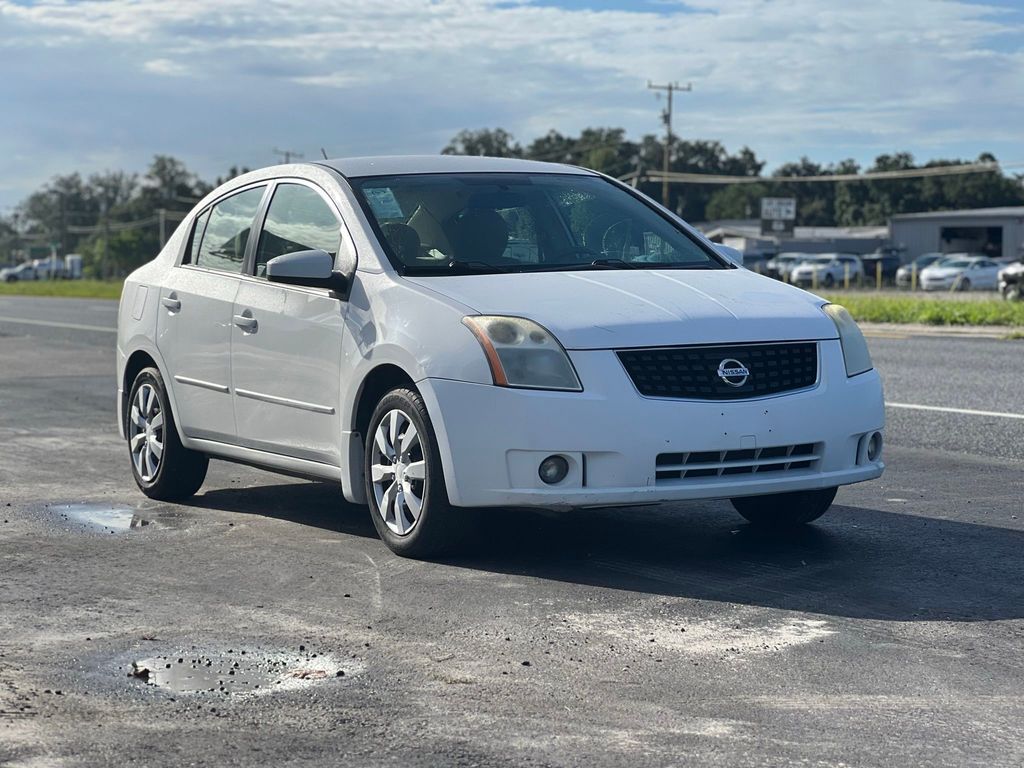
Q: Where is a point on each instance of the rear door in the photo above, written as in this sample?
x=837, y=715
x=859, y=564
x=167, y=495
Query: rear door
x=194, y=321
x=286, y=339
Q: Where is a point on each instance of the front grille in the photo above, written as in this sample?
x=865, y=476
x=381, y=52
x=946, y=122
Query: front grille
x=750, y=461
x=692, y=372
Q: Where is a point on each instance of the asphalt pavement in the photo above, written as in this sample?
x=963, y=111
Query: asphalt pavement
x=889, y=633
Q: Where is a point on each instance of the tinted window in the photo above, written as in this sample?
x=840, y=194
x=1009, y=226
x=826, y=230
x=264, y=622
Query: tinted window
x=227, y=231
x=458, y=223
x=298, y=219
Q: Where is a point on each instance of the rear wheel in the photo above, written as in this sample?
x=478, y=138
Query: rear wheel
x=785, y=510
x=404, y=481
x=163, y=468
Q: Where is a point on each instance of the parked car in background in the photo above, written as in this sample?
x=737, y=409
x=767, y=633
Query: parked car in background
x=1011, y=281
x=369, y=322
x=905, y=274
x=828, y=269
x=961, y=272
x=887, y=258
x=780, y=266
x=21, y=272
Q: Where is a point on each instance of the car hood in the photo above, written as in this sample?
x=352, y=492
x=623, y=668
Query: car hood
x=644, y=308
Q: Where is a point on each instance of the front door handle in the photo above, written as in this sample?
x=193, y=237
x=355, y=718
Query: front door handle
x=247, y=323
x=171, y=303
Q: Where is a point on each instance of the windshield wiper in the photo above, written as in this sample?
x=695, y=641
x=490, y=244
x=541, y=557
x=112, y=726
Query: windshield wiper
x=475, y=266
x=614, y=263
x=454, y=267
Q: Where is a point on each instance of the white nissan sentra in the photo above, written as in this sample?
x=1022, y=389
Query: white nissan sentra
x=442, y=335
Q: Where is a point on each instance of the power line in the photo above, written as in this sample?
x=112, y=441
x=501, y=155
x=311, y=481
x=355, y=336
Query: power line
x=666, y=117
x=907, y=173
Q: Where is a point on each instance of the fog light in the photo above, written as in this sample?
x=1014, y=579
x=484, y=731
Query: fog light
x=875, y=446
x=553, y=469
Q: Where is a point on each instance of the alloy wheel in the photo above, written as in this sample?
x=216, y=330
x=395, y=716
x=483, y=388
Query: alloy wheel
x=146, y=432
x=398, y=472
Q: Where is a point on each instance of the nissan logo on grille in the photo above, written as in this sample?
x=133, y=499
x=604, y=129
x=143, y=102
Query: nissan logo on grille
x=733, y=372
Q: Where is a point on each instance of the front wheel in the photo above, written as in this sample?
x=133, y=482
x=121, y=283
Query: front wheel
x=1013, y=292
x=164, y=469
x=404, y=480
x=785, y=510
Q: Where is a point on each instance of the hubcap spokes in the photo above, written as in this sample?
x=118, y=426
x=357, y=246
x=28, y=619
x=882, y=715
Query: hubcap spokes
x=146, y=432
x=398, y=472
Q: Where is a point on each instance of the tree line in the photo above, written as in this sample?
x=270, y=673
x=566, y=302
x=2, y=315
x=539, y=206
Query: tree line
x=118, y=220
x=842, y=203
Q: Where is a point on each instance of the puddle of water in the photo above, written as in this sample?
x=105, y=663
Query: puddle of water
x=236, y=673
x=112, y=518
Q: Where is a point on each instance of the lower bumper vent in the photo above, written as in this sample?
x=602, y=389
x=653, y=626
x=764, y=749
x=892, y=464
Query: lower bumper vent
x=751, y=461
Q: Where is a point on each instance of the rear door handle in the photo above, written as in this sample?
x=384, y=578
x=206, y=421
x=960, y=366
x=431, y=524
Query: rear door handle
x=171, y=303
x=246, y=323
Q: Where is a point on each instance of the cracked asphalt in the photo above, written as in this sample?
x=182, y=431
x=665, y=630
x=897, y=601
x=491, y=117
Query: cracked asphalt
x=891, y=633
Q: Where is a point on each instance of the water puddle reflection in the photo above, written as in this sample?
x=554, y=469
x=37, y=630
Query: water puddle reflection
x=235, y=672
x=113, y=518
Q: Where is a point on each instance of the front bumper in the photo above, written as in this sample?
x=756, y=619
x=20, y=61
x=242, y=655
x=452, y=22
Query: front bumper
x=492, y=439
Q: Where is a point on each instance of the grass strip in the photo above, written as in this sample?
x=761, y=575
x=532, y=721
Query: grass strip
x=908, y=309
x=76, y=289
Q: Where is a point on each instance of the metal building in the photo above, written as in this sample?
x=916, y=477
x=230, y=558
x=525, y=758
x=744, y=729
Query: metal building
x=994, y=232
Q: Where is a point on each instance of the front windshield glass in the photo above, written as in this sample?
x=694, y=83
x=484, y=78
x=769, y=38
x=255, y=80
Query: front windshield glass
x=483, y=222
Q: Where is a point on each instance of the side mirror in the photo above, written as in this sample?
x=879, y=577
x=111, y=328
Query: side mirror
x=313, y=269
x=730, y=254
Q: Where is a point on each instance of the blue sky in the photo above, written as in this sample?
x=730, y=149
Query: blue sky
x=105, y=84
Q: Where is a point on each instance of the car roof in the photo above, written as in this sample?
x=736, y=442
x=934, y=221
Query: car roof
x=356, y=167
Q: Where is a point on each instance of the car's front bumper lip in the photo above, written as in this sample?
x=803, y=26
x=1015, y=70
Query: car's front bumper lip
x=492, y=438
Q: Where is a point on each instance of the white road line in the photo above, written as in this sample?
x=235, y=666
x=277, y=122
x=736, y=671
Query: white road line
x=55, y=324
x=965, y=411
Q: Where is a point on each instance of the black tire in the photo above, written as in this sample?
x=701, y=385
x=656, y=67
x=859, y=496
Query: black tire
x=180, y=472
x=1013, y=293
x=828, y=281
x=785, y=510
x=438, y=528
x=963, y=284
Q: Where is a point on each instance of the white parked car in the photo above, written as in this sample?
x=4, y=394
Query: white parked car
x=24, y=271
x=826, y=270
x=961, y=272
x=444, y=334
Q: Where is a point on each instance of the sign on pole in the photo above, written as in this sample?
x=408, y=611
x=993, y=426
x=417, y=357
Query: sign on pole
x=778, y=214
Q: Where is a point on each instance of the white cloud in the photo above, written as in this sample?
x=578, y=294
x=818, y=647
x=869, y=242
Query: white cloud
x=165, y=67
x=784, y=76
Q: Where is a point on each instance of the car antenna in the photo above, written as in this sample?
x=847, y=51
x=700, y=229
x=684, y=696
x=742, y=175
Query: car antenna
x=323, y=152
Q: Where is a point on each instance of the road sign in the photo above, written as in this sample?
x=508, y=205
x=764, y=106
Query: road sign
x=778, y=215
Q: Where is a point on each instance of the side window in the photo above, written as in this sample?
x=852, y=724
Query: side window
x=227, y=231
x=298, y=219
x=197, y=236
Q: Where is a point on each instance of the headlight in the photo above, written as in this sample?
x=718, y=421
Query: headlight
x=855, y=348
x=522, y=353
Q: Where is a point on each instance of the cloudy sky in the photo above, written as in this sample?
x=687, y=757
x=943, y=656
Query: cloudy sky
x=105, y=84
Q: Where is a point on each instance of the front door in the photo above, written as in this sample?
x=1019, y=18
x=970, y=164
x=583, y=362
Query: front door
x=194, y=320
x=286, y=340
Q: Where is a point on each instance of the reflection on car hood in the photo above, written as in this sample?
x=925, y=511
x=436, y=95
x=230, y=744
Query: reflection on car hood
x=939, y=272
x=604, y=309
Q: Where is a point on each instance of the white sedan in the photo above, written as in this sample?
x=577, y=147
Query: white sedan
x=961, y=272
x=826, y=270
x=445, y=334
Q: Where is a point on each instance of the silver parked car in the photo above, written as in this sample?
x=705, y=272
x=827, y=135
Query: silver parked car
x=828, y=269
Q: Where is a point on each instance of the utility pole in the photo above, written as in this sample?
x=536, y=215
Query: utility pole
x=666, y=117
x=287, y=154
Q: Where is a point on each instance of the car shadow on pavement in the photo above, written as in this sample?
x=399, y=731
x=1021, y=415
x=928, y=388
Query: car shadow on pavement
x=855, y=562
x=318, y=505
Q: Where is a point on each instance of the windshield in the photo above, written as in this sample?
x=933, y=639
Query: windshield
x=818, y=259
x=482, y=222
x=958, y=263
